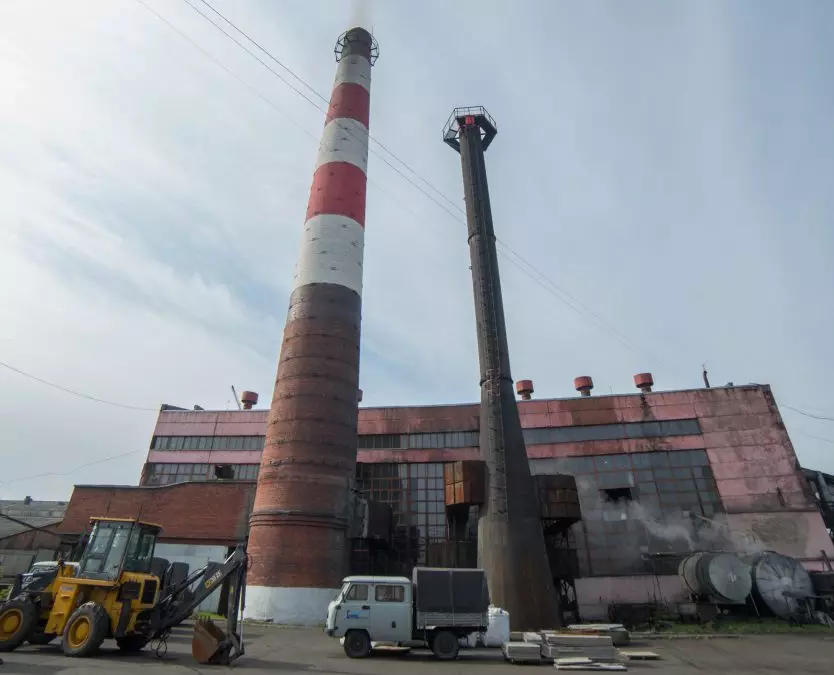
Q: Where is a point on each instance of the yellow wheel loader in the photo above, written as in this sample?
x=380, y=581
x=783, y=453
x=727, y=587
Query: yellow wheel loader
x=111, y=593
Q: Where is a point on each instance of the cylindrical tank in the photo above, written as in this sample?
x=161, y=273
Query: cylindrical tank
x=778, y=582
x=723, y=576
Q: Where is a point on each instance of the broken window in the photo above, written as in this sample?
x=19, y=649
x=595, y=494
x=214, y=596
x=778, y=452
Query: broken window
x=614, y=495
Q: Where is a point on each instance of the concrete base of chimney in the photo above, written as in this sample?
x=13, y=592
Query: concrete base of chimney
x=288, y=606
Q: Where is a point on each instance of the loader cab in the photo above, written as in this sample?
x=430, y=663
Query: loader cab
x=117, y=546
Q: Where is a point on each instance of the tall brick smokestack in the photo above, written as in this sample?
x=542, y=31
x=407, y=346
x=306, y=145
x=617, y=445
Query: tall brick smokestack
x=298, y=539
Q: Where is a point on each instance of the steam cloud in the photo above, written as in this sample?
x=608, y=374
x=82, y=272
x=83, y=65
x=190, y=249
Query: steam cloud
x=362, y=13
x=668, y=532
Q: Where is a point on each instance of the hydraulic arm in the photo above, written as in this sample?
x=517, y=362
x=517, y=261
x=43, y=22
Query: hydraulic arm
x=210, y=644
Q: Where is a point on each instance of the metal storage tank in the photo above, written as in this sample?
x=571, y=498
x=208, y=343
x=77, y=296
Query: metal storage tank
x=723, y=576
x=779, y=581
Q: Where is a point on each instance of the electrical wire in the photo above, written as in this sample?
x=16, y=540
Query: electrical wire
x=73, y=391
x=362, y=140
x=29, y=526
x=519, y=261
x=71, y=471
x=273, y=58
x=228, y=70
x=817, y=438
x=515, y=258
x=805, y=413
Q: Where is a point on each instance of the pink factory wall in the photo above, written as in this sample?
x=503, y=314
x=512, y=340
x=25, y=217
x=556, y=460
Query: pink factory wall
x=751, y=455
x=594, y=594
x=211, y=423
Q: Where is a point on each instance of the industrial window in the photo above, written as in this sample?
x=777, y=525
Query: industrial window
x=442, y=439
x=605, y=432
x=358, y=592
x=389, y=593
x=615, y=495
x=595, y=432
x=207, y=443
x=380, y=441
x=415, y=494
x=168, y=473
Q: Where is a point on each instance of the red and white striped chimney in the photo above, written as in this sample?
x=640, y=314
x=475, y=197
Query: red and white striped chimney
x=298, y=540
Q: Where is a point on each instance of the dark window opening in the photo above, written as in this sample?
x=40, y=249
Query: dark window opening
x=224, y=471
x=614, y=495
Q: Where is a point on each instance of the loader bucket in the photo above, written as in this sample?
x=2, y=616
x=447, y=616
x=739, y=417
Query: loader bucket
x=210, y=644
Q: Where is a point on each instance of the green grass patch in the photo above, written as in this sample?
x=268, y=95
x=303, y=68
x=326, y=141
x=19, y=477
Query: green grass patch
x=208, y=615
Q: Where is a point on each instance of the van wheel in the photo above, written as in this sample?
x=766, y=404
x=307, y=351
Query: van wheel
x=445, y=645
x=86, y=630
x=357, y=644
x=18, y=619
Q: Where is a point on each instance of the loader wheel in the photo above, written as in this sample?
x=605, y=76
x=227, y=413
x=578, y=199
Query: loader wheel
x=85, y=631
x=357, y=644
x=18, y=619
x=132, y=643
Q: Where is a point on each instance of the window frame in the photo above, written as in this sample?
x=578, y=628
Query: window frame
x=401, y=594
x=350, y=596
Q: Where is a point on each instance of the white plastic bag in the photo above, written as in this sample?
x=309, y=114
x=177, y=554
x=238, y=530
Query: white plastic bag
x=498, y=631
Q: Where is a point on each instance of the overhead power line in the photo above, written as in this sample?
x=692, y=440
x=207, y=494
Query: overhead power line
x=73, y=391
x=817, y=438
x=324, y=99
x=29, y=526
x=93, y=462
x=807, y=414
x=515, y=258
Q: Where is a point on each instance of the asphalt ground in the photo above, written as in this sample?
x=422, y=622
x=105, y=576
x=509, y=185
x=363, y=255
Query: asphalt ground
x=271, y=649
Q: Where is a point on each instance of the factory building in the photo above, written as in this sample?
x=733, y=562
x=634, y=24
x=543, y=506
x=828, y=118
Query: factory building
x=657, y=474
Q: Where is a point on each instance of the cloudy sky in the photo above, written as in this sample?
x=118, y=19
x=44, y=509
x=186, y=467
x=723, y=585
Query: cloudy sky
x=668, y=168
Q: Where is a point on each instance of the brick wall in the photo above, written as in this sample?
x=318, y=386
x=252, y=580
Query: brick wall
x=216, y=513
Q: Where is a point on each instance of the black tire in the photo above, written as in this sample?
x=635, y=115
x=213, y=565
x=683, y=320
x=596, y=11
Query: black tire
x=357, y=644
x=132, y=643
x=18, y=620
x=86, y=629
x=39, y=639
x=445, y=645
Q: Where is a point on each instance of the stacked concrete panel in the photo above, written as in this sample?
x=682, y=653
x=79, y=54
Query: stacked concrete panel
x=298, y=539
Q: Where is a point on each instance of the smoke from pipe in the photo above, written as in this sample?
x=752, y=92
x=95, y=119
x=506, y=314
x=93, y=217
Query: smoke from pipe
x=668, y=532
x=362, y=14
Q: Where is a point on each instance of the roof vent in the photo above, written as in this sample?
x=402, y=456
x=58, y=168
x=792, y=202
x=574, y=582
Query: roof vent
x=644, y=382
x=248, y=399
x=583, y=385
x=524, y=389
